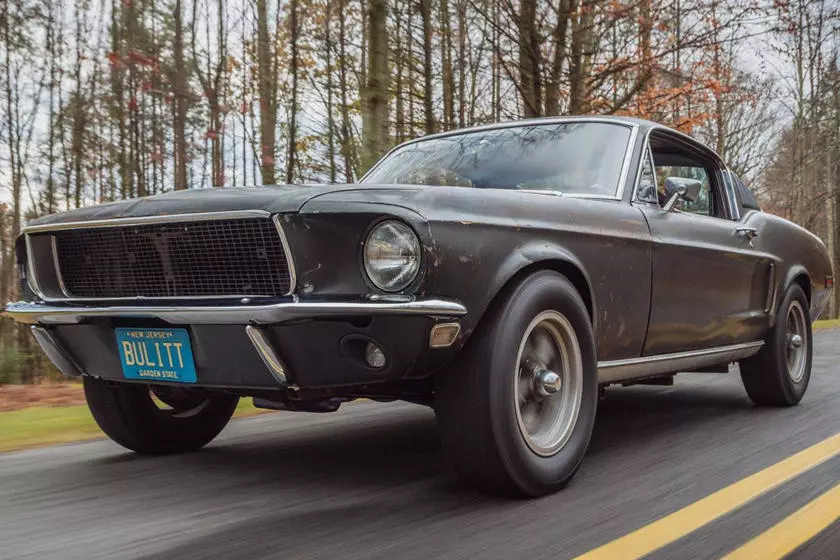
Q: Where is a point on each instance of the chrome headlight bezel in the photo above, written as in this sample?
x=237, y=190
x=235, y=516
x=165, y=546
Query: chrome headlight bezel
x=411, y=250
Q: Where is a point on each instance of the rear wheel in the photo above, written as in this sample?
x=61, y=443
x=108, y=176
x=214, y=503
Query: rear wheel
x=516, y=412
x=779, y=374
x=157, y=419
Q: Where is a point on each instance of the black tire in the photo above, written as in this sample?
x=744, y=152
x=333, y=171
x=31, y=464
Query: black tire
x=767, y=376
x=128, y=415
x=476, y=399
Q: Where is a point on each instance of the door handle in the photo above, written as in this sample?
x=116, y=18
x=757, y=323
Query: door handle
x=747, y=231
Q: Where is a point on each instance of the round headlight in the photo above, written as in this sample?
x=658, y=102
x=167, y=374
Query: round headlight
x=392, y=256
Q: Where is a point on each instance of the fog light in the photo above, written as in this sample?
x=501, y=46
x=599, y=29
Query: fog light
x=443, y=335
x=374, y=355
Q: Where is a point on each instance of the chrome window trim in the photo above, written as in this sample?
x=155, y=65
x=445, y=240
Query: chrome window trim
x=625, y=167
x=634, y=196
x=729, y=180
x=560, y=194
x=705, y=216
x=653, y=170
x=147, y=220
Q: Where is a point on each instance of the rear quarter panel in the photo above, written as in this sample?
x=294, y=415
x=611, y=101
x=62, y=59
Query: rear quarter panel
x=799, y=252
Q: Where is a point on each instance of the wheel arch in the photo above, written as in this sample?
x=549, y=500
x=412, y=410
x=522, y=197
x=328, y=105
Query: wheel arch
x=529, y=259
x=804, y=280
x=798, y=275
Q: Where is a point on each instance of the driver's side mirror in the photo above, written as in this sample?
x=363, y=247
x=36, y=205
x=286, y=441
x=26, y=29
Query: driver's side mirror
x=680, y=188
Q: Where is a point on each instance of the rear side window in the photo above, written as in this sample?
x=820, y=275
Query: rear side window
x=745, y=195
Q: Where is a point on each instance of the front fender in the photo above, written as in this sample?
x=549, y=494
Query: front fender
x=327, y=237
x=535, y=255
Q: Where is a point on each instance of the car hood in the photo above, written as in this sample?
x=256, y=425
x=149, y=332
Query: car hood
x=275, y=199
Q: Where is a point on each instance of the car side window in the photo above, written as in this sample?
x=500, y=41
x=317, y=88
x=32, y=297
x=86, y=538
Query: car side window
x=705, y=201
x=745, y=196
x=647, y=181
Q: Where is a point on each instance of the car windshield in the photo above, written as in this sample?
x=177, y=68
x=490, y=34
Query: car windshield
x=571, y=158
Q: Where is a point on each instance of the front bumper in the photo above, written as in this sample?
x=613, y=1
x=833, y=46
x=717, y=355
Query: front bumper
x=47, y=314
x=270, y=346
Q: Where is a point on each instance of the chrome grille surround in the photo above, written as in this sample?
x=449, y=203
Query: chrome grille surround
x=217, y=255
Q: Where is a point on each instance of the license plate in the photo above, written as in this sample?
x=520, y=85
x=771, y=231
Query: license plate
x=156, y=354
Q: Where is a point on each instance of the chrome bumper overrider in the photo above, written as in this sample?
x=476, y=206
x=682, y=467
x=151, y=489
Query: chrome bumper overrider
x=47, y=314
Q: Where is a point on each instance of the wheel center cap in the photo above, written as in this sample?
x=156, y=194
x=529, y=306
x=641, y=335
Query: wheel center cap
x=795, y=341
x=548, y=382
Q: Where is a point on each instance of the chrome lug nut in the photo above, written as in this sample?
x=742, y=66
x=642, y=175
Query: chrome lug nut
x=548, y=383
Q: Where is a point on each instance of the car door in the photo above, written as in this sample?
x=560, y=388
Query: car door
x=709, y=279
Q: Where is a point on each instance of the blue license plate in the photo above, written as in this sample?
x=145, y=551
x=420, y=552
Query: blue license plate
x=156, y=354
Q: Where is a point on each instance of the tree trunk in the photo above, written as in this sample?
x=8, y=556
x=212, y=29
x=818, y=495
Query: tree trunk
x=293, y=39
x=428, y=110
x=180, y=93
x=462, y=62
x=448, y=82
x=53, y=85
x=552, y=87
x=399, y=63
x=496, y=65
x=347, y=152
x=578, y=64
x=118, y=103
x=375, y=116
x=530, y=86
x=330, y=87
x=267, y=94
x=831, y=231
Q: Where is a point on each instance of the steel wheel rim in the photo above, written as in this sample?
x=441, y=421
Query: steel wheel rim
x=548, y=383
x=796, y=341
x=178, y=405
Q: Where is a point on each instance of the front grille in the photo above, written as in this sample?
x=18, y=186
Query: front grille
x=231, y=257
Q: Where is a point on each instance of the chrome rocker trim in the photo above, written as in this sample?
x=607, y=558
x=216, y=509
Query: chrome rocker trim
x=45, y=314
x=648, y=366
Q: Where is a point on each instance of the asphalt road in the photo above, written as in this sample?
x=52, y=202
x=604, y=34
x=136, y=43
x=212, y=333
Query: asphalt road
x=370, y=481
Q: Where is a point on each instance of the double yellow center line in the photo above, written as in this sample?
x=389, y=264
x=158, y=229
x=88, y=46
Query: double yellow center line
x=816, y=516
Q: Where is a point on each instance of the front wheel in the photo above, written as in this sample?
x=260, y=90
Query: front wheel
x=517, y=409
x=778, y=375
x=158, y=420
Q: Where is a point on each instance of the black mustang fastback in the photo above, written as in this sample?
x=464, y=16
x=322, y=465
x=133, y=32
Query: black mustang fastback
x=500, y=274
